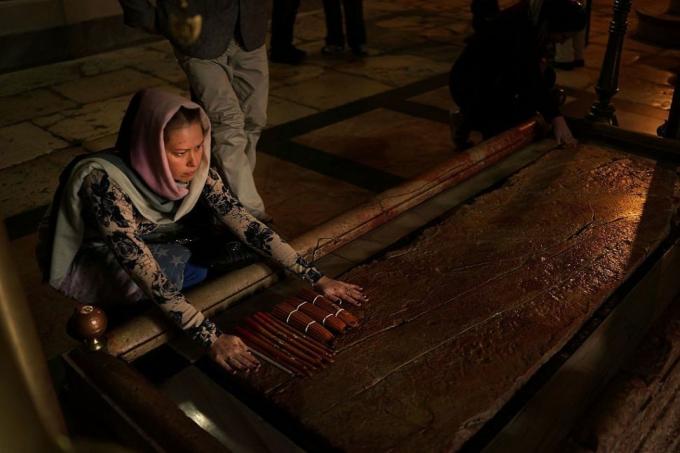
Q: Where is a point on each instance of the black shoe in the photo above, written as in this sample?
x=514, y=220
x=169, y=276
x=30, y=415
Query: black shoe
x=360, y=51
x=332, y=50
x=564, y=65
x=291, y=55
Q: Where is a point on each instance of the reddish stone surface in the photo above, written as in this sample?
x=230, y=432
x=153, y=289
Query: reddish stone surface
x=464, y=315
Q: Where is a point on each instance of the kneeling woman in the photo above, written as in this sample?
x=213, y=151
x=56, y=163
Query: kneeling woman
x=96, y=245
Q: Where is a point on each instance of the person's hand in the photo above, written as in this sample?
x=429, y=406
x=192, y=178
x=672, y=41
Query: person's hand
x=337, y=291
x=562, y=132
x=232, y=354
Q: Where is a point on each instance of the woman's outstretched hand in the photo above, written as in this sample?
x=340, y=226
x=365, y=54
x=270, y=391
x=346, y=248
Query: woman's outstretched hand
x=338, y=291
x=232, y=354
x=562, y=133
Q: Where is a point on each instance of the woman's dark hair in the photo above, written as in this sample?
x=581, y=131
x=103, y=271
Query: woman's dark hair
x=563, y=16
x=182, y=118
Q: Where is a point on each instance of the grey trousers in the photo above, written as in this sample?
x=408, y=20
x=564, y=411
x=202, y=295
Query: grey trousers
x=233, y=89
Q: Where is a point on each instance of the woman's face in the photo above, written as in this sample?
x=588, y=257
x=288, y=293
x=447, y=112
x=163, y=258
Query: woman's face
x=184, y=148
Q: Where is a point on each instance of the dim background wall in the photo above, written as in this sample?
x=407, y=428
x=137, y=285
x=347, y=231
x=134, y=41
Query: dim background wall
x=35, y=32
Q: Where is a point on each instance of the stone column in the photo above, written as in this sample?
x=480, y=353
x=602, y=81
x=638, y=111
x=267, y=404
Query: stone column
x=602, y=110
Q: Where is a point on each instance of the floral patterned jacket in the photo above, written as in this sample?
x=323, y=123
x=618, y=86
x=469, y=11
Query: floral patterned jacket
x=112, y=215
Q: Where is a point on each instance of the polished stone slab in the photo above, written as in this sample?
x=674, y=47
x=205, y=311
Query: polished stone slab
x=465, y=314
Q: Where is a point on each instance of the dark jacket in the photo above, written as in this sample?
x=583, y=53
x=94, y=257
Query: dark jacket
x=223, y=20
x=500, y=72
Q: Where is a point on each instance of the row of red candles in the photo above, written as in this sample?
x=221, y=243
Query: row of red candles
x=298, y=337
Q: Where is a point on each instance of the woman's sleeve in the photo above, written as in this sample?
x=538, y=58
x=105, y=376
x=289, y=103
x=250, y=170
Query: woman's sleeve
x=254, y=233
x=113, y=213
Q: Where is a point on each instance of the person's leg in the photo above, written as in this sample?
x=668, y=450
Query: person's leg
x=564, y=54
x=354, y=23
x=579, y=46
x=211, y=84
x=251, y=85
x=283, y=23
x=333, y=14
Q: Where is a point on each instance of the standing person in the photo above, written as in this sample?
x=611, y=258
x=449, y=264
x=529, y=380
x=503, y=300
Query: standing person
x=228, y=74
x=281, y=48
x=354, y=26
x=501, y=78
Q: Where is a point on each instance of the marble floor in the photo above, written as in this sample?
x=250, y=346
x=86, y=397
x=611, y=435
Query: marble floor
x=340, y=129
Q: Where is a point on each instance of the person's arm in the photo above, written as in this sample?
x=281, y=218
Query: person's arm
x=265, y=241
x=139, y=14
x=116, y=223
x=113, y=212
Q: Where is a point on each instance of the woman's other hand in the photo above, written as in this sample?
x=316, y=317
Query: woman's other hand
x=232, y=354
x=562, y=132
x=338, y=291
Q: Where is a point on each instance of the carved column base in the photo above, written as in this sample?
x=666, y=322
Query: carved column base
x=603, y=113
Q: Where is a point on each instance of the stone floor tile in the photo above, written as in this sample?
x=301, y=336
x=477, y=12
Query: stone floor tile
x=24, y=106
x=436, y=98
x=310, y=27
x=41, y=76
x=281, y=111
x=594, y=55
x=300, y=199
x=106, y=86
x=32, y=184
x=395, y=70
x=163, y=66
x=643, y=92
x=136, y=56
x=25, y=141
x=443, y=53
x=389, y=39
x=648, y=73
x=162, y=44
x=630, y=43
x=92, y=120
x=98, y=119
x=664, y=61
x=414, y=23
x=375, y=9
x=47, y=120
x=393, y=142
x=330, y=90
x=285, y=74
x=101, y=143
x=578, y=79
x=639, y=123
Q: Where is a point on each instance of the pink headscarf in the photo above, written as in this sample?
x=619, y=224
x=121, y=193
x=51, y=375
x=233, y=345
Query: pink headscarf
x=141, y=136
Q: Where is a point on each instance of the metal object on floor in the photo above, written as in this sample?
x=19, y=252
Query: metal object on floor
x=602, y=110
